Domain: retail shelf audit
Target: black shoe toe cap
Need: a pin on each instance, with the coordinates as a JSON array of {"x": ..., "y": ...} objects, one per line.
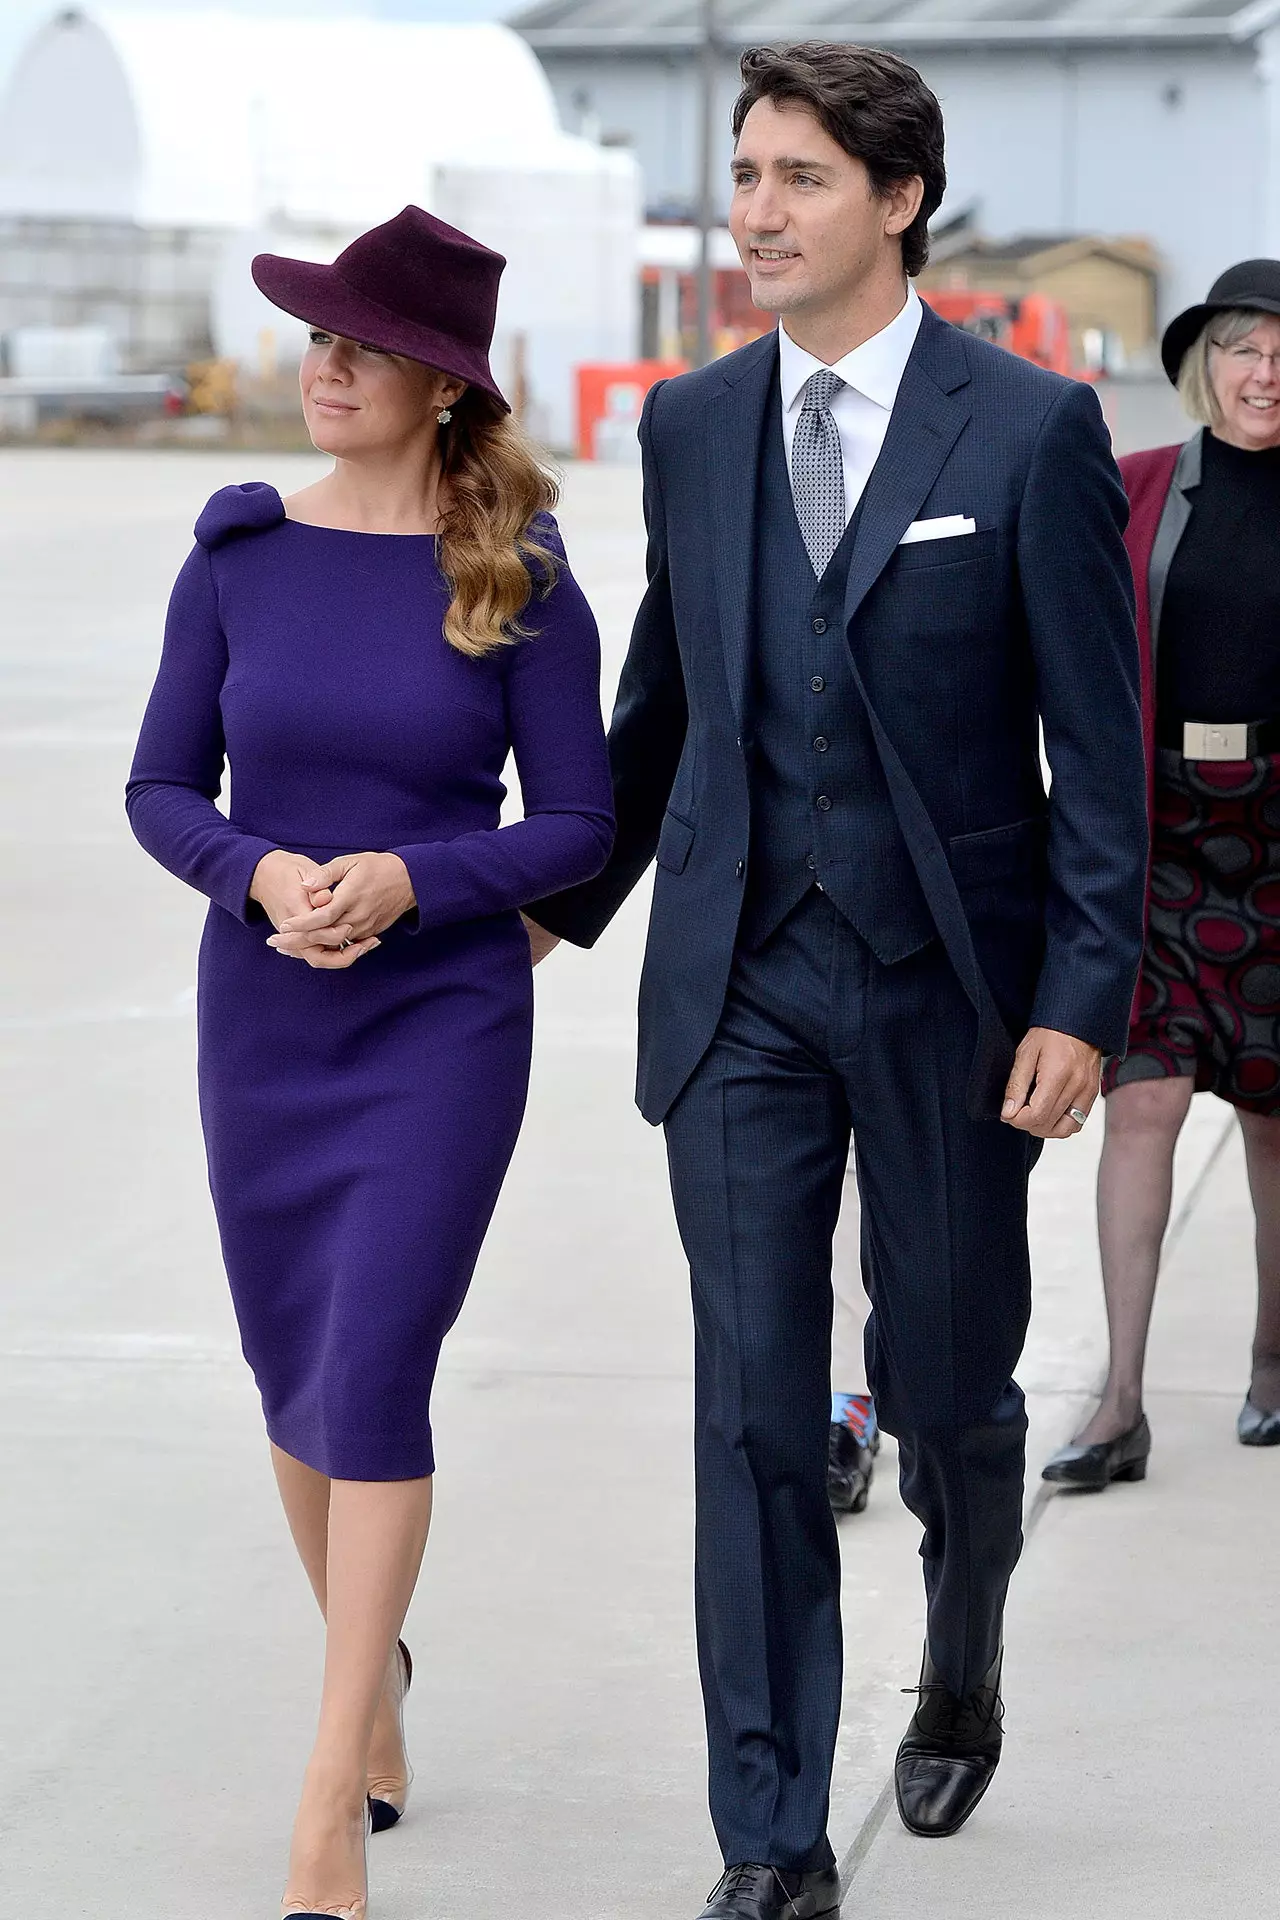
[{"x": 936, "y": 1793}]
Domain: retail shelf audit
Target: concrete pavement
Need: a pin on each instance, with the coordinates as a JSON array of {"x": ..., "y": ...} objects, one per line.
[{"x": 160, "y": 1650}]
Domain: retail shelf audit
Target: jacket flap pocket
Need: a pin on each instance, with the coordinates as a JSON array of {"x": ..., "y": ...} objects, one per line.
[
  {"x": 1015, "y": 852},
  {"x": 674, "y": 843}
]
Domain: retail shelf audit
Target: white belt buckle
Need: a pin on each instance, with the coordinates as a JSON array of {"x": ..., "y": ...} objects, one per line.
[{"x": 1203, "y": 742}]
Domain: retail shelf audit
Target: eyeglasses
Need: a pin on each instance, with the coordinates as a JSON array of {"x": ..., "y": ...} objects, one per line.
[{"x": 1248, "y": 359}]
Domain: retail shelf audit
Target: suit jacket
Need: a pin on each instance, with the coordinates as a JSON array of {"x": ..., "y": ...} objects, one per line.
[{"x": 961, "y": 648}]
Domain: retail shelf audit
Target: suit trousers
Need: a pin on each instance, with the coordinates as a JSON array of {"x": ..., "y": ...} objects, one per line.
[{"x": 817, "y": 1038}]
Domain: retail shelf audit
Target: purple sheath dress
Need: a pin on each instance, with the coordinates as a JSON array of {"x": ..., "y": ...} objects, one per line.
[{"x": 359, "y": 1124}]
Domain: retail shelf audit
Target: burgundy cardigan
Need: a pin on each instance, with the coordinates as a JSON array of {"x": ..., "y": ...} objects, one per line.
[{"x": 1147, "y": 478}]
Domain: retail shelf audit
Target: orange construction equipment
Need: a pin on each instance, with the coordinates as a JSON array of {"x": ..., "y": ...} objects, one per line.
[{"x": 1034, "y": 327}]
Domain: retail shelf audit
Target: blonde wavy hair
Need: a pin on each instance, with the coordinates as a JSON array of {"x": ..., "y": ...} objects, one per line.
[{"x": 493, "y": 488}]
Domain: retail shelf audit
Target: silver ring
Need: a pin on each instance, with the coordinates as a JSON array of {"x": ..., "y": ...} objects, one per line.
[
  {"x": 1079, "y": 1118},
  {"x": 344, "y": 944}
]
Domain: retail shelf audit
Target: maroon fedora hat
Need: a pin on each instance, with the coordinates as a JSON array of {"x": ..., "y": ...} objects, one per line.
[{"x": 413, "y": 286}]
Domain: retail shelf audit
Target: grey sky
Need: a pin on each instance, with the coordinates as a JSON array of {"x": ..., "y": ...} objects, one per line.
[{"x": 19, "y": 18}]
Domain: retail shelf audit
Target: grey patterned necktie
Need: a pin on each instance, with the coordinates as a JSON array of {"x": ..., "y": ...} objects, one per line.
[{"x": 817, "y": 471}]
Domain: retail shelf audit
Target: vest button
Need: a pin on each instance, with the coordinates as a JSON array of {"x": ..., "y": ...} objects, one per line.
[
  {"x": 741, "y": 868},
  {"x": 817, "y": 684},
  {"x": 811, "y": 861},
  {"x": 819, "y": 625},
  {"x": 820, "y": 745},
  {"x": 824, "y": 803}
]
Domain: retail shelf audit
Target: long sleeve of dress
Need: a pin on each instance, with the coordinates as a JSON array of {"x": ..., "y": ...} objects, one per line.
[
  {"x": 181, "y": 755},
  {"x": 553, "y": 716}
]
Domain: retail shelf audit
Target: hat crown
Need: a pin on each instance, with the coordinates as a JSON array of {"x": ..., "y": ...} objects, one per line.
[
  {"x": 425, "y": 271},
  {"x": 1250, "y": 280}
]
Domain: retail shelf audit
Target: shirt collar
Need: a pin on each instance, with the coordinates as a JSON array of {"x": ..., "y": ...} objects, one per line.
[{"x": 874, "y": 369}]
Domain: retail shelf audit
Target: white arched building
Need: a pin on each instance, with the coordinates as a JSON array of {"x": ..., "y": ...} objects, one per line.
[{"x": 144, "y": 157}]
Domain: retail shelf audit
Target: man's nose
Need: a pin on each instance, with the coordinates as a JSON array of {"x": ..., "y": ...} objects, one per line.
[{"x": 766, "y": 213}]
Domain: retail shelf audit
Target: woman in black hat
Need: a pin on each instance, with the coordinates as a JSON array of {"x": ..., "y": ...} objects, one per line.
[
  {"x": 365, "y": 655},
  {"x": 1205, "y": 544}
]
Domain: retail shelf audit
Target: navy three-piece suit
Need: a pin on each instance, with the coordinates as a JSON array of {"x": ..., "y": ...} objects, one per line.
[{"x": 864, "y": 898}]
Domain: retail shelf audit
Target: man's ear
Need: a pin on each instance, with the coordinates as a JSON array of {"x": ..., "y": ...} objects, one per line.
[{"x": 903, "y": 203}]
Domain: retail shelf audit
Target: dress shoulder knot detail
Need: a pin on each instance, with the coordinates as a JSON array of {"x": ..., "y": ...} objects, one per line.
[{"x": 252, "y": 507}]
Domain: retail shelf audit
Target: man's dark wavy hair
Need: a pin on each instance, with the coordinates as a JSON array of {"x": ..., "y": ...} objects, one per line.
[{"x": 873, "y": 105}]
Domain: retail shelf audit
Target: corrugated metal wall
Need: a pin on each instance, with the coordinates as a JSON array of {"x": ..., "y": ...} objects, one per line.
[{"x": 150, "y": 286}]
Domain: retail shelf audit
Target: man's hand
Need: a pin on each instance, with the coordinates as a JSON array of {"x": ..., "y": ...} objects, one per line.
[
  {"x": 1052, "y": 1073},
  {"x": 541, "y": 943}
]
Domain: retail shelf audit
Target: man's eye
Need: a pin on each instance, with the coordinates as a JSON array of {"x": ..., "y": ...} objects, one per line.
[{"x": 806, "y": 180}]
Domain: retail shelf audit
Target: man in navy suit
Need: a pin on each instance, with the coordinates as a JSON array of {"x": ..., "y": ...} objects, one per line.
[{"x": 882, "y": 554}]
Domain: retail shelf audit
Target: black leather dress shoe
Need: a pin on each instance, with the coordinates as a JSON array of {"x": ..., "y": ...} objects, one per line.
[
  {"x": 1093, "y": 1468},
  {"x": 769, "y": 1893},
  {"x": 850, "y": 1466},
  {"x": 950, "y": 1753},
  {"x": 1256, "y": 1427}
]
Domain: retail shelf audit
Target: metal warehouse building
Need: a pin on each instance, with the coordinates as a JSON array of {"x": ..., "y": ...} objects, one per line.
[{"x": 1157, "y": 119}]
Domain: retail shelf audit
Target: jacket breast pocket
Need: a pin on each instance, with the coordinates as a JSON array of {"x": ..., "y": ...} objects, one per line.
[
  {"x": 675, "y": 843},
  {"x": 929, "y": 556}
]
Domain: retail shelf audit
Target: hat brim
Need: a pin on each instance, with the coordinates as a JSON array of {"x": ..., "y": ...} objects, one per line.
[
  {"x": 319, "y": 295},
  {"x": 1181, "y": 334}
]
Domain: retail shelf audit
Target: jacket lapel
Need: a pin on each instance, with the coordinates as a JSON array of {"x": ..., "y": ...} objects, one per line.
[
  {"x": 1172, "y": 525},
  {"x": 735, "y": 424},
  {"x": 928, "y": 418}
]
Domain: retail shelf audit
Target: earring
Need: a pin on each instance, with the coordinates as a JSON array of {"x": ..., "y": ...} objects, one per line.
[{"x": 444, "y": 416}]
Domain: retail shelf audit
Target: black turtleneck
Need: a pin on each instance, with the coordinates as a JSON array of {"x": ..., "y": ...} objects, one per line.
[{"x": 1219, "y": 643}]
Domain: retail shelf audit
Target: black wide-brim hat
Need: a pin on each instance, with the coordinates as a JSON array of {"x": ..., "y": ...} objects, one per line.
[
  {"x": 413, "y": 286},
  {"x": 1252, "y": 287}
]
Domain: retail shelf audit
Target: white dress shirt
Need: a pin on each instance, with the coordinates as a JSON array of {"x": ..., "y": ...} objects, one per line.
[{"x": 872, "y": 374}]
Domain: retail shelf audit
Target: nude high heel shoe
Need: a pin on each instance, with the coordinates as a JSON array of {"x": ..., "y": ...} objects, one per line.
[
  {"x": 356, "y": 1910},
  {"x": 387, "y": 1798}
]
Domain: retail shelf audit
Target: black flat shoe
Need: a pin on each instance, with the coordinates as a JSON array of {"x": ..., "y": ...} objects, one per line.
[
  {"x": 850, "y": 1468},
  {"x": 949, "y": 1756},
  {"x": 1256, "y": 1427},
  {"x": 768, "y": 1893},
  {"x": 385, "y": 1811},
  {"x": 1093, "y": 1468}
]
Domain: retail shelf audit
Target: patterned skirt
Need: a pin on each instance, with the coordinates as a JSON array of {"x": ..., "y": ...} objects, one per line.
[{"x": 1209, "y": 1001}]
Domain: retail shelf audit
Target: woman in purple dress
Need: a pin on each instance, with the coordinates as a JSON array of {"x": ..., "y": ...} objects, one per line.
[{"x": 364, "y": 655}]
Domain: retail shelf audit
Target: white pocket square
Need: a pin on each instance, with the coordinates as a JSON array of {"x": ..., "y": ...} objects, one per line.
[{"x": 947, "y": 529}]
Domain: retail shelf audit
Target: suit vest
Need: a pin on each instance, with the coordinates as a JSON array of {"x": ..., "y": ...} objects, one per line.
[{"x": 820, "y": 807}]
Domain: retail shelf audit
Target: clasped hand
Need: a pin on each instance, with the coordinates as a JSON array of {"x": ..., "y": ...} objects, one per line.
[{"x": 331, "y": 915}]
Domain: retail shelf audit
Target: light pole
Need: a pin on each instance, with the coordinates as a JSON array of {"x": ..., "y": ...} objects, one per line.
[{"x": 709, "y": 147}]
